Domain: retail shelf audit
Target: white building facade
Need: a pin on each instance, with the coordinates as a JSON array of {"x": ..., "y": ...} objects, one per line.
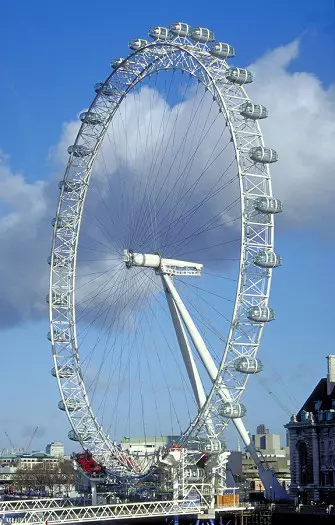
[{"x": 312, "y": 443}]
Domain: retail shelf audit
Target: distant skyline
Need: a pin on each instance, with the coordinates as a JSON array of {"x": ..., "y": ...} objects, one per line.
[{"x": 52, "y": 54}]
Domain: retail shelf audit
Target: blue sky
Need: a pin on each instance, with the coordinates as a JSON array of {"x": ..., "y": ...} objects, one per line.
[{"x": 51, "y": 55}]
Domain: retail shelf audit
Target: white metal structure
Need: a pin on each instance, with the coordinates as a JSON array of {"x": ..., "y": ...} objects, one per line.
[
  {"x": 179, "y": 201},
  {"x": 72, "y": 514}
]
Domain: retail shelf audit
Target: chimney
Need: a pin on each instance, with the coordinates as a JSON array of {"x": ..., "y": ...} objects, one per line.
[{"x": 331, "y": 374}]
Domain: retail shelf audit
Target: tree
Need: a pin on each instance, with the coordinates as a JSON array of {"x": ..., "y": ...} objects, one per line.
[{"x": 45, "y": 476}]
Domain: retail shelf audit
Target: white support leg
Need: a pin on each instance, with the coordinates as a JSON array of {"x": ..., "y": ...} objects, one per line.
[
  {"x": 208, "y": 362},
  {"x": 192, "y": 371},
  {"x": 191, "y": 367}
]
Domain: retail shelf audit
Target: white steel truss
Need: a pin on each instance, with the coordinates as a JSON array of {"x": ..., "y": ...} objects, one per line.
[
  {"x": 41, "y": 515},
  {"x": 253, "y": 287}
]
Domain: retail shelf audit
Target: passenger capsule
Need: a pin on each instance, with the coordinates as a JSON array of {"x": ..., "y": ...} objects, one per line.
[
  {"x": 267, "y": 259},
  {"x": 73, "y": 436},
  {"x": 64, "y": 372},
  {"x": 77, "y": 150},
  {"x": 253, "y": 111},
  {"x": 239, "y": 76},
  {"x": 180, "y": 29},
  {"x": 57, "y": 299},
  {"x": 222, "y": 50},
  {"x": 60, "y": 336},
  {"x": 268, "y": 205},
  {"x": 104, "y": 89},
  {"x": 194, "y": 473},
  {"x": 248, "y": 365},
  {"x": 232, "y": 409},
  {"x": 70, "y": 186},
  {"x": 116, "y": 62},
  {"x": 159, "y": 33},
  {"x": 261, "y": 314},
  {"x": 58, "y": 261},
  {"x": 201, "y": 34},
  {"x": 63, "y": 222},
  {"x": 91, "y": 118},
  {"x": 263, "y": 155},
  {"x": 137, "y": 43},
  {"x": 71, "y": 404}
]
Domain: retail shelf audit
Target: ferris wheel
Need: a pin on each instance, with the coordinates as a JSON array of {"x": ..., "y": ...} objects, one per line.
[{"x": 163, "y": 250}]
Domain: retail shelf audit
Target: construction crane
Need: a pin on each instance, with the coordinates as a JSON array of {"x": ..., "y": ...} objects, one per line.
[
  {"x": 31, "y": 439},
  {"x": 10, "y": 441}
]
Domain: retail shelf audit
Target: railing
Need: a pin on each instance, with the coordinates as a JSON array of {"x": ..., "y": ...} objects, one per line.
[
  {"x": 32, "y": 504},
  {"x": 71, "y": 514}
]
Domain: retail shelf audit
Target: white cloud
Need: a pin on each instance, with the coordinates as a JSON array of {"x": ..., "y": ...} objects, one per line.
[
  {"x": 301, "y": 127},
  {"x": 24, "y": 240}
]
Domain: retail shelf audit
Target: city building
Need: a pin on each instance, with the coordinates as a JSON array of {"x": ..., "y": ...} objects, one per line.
[
  {"x": 261, "y": 429},
  {"x": 55, "y": 449},
  {"x": 312, "y": 443},
  {"x": 142, "y": 445},
  {"x": 271, "y": 454}
]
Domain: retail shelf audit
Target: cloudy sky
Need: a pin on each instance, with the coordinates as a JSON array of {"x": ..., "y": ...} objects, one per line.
[{"x": 51, "y": 56}]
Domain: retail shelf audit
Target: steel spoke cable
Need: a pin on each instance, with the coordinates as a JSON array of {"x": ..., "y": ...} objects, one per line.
[
  {"x": 176, "y": 156},
  {"x": 154, "y": 158},
  {"x": 85, "y": 331},
  {"x": 143, "y": 204},
  {"x": 185, "y": 179},
  {"x": 166, "y": 340},
  {"x": 210, "y": 195},
  {"x": 203, "y": 200},
  {"x": 160, "y": 190},
  {"x": 207, "y": 227},
  {"x": 174, "y": 207},
  {"x": 112, "y": 347}
]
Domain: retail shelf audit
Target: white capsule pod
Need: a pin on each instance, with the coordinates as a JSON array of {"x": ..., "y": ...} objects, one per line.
[
  {"x": 159, "y": 33},
  {"x": 88, "y": 117},
  {"x": 261, "y": 314},
  {"x": 58, "y": 299},
  {"x": 239, "y": 76},
  {"x": 180, "y": 29},
  {"x": 78, "y": 150},
  {"x": 267, "y": 259},
  {"x": 137, "y": 43},
  {"x": 60, "y": 336},
  {"x": 248, "y": 365},
  {"x": 72, "y": 435},
  {"x": 268, "y": 205},
  {"x": 69, "y": 186},
  {"x": 66, "y": 222},
  {"x": 263, "y": 155},
  {"x": 104, "y": 89},
  {"x": 253, "y": 111},
  {"x": 71, "y": 404},
  {"x": 116, "y": 62},
  {"x": 201, "y": 34},
  {"x": 232, "y": 409},
  {"x": 222, "y": 50},
  {"x": 194, "y": 473},
  {"x": 58, "y": 261},
  {"x": 64, "y": 372}
]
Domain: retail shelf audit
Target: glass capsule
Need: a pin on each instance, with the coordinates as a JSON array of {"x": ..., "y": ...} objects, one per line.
[
  {"x": 239, "y": 76},
  {"x": 263, "y": 155},
  {"x": 253, "y": 111},
  {"x": 268, "y": 205},
  {"x": 248, "y": 365},
  {"x": 222, "y": 50},
  {"x": 261, "y": 314}
]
